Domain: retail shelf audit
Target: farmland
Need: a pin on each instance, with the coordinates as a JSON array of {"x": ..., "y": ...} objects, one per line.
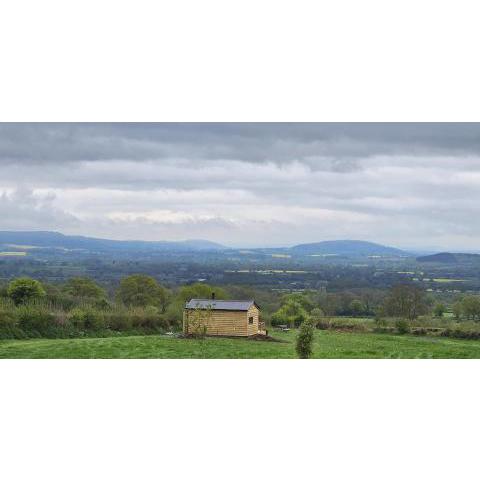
[{"x": 327, "y": 344}]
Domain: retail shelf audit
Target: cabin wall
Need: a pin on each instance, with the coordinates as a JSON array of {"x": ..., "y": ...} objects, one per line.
[
  {"x": 255, "y": 313},
  {"x": 218, "y": 322}
]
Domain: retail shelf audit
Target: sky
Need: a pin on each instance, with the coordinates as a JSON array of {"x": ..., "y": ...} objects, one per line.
[{"x": 410, "y": 185}]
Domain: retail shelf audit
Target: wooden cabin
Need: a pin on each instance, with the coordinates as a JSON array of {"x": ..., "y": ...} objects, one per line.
[{"x": 230, "y": 318}]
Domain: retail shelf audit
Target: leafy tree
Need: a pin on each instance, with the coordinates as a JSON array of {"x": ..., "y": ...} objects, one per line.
[
  {"x": 407, "y": 301},
  {"x": 24, "y": 289},
  {"x": 357, "y": 307},
  {"x": 457, "y": 310},
  {"x": 200, "y": 290},
  {"x": 471, "y": 306},
  {"x": 302, "y": 299},
  {"x": 317, "y": 315},
  {"x": 83, "y": 287},
  {"x": 439, "y": 310},
  {"x": 197, "y": 321},
  {"x": 291, "y": 313},
  {"x": 140, "y": 291},
  {"x": 174, "y": 311},
  {"x": 304, "y": 342}
]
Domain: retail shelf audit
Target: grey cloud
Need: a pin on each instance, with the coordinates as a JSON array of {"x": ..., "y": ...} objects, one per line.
[
  {"x": 336, "y": 146},
  {"x": 245, "y": 183},
  {"x": 21, "y": 210}
]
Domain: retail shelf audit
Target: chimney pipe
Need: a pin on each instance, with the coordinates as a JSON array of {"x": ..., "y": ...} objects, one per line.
[{"x": 213, "y": 295}]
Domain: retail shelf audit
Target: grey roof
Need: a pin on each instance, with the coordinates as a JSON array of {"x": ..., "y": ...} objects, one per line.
[{"x": 202, "y": 303}]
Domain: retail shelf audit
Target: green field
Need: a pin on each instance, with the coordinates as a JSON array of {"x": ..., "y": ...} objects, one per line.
[{"x": 328, "y": 344}]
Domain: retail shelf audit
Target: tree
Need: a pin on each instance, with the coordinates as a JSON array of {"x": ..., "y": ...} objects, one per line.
[
  {"x": 24, "y": 289},
  {"x": 317, "y": 315},
  {"x": 174, "y": 311},
  {"x": 357, "y": 307},
  {"x": 406, "y": 301},
  {"x": 302, "y": 299},
  {"x": 439, "y": 310},
  {"x": 140, "y": 291},
  {"x": 291, "y": 313},
  {"x": 457, "y": 310},
  {"x": 471, "y": 307},
  {"x": 197, "y": 321},
  {"x": 83, "y": 287},
  {"x": 304, "y": 341},
  {"x": 200, "y": 290}
]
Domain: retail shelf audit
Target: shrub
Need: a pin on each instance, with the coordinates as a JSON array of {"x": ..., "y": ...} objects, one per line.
[
  {"x": 144, "y": 317},
  {"x": 174, "y": 313},
  {"x": 305, "y": 339},
  {"x": 119, "y": 320},
  {"x": 402, "y": 326},
  {"x": 9, "y": 328},
  {"x": 381, "y": 322},
  {"x": 439, "y": 310},
  {"x": 36, "y": 321},
  {"x": 86, "y": 319}
]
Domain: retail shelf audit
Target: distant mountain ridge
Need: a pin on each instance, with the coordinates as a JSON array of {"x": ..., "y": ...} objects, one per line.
[
  {"x": 451, "y": 258},
  {"x": 47, "y": 239},
  {"x": 75, "y": 242},
  {"x": 347, "y": 248}
]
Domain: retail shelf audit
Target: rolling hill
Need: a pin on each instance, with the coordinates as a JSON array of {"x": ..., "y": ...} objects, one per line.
[
  {"x": 347, "y": 248},
  {"x": 58, "y": 240},
  {"x": 451, "y": 258}
]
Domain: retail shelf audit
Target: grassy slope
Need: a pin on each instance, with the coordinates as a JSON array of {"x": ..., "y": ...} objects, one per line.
[{"x": 327, "y": 345}]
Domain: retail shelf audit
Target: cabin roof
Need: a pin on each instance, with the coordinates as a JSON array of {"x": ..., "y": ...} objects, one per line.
[{"x": 236, "y": 305}]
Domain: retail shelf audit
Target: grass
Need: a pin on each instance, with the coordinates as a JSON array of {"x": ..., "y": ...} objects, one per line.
[{"x": 327, "y": 344}]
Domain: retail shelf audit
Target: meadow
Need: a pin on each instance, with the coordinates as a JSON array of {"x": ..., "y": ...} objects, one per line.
[{"x": 327, "y": 344}]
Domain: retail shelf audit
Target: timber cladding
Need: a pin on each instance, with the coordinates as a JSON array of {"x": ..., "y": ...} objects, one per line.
[{"x": 221, "y": 322}]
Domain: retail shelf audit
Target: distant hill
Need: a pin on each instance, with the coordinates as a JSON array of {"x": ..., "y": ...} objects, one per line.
[
  {"x": 71, "y": 242},
  {"x": 451, "y": 258},
  {"x": 348, "y": 248},
  {"x": 443, "y": 257}
]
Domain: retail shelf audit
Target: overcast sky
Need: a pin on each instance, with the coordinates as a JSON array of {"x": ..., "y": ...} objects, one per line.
[{"x": 406, "y": 185}]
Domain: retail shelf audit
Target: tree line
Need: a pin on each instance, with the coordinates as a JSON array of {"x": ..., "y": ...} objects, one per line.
[{"x": 139, "y": 303}]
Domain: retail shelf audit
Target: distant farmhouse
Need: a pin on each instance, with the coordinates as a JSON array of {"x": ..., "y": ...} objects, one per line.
[{"x": 238, "y": 318}]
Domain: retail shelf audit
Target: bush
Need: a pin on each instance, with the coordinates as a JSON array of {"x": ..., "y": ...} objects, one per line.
[
  {"x": 439, "y": 310},
  {"x": 36, "y": 321},
  {"x": 9, "y": 328},
  {"x": 402, "y": 326},
  {"x": 145, "y": 318},
  {"x": 344, "y": 324},
  {"x": 119, "y": 320},
  {"x": 305, "y": 339},
  {"x": 86, "y": 319}
]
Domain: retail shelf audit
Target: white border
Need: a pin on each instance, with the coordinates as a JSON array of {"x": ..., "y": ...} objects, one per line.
[
  {"x": 239, "y": 61},
  {"x": 217, "y": 60}
]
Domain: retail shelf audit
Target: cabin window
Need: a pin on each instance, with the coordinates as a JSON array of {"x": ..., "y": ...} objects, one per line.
[{"x": 250, "y": 320}]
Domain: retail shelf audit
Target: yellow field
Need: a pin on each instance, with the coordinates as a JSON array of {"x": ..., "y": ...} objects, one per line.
[{"x": 447, "y": 280}]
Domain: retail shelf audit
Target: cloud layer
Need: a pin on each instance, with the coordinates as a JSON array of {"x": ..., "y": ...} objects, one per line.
[{"x": 414, "y": 185}]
